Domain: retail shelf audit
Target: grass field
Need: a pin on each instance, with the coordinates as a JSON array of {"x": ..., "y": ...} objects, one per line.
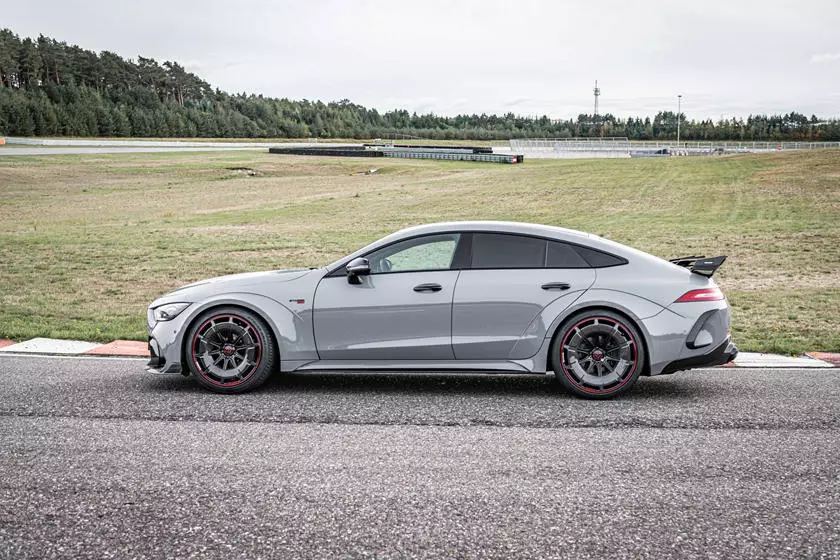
[{"x": 86, "y": 242}]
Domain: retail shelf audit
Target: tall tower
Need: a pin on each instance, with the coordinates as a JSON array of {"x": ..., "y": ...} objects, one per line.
[{"x": 597, "y": 92}]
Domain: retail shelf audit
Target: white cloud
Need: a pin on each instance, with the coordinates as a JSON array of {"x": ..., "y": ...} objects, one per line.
[{"x": 825, "y": 57}]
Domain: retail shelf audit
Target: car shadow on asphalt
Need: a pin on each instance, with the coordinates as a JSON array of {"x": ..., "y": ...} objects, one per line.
[{"x": 340, "y": 383}]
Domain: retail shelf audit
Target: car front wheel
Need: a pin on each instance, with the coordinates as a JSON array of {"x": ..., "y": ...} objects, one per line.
[
  {"x": 230, "y": 350},
  {"x": 597, "y": 355}
]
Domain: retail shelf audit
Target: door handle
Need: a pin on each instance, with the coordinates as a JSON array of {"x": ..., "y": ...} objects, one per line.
[
  {"x": 556, "y": 286},
  {"x": 428, "y": 288}
]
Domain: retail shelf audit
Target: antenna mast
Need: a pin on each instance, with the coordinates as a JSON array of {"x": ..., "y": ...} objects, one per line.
[{"x": 597, "y": 92}]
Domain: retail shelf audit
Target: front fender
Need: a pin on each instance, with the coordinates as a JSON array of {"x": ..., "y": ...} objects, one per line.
[{"x": 291, "y": 329}]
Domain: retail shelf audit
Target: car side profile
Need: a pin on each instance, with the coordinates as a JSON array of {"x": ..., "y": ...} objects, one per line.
[{"x": 460, "y": 297}]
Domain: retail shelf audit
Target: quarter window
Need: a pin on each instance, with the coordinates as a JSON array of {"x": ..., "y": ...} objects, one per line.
[
  {"x": 597, "y": 259},
  {"x": 563, "y": 255}
]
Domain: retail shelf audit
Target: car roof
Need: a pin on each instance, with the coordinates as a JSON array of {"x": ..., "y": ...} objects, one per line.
[
  {"x": 493, "y": 226},
  {"x": 521, "y": 228}
]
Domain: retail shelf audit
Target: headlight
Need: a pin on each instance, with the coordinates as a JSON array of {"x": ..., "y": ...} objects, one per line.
[{"x": 169, "y": 311}]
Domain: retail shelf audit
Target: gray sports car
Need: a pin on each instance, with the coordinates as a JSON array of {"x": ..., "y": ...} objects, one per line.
[{"x": 459, "y": 296}]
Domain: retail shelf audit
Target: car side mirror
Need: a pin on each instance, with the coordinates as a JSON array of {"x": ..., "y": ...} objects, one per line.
[{"x": 359, "y": 266}]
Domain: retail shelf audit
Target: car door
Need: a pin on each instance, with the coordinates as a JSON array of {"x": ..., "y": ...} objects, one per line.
[
  {"x": 513, "y": 282},
  {"x": 401, "y": 311}
]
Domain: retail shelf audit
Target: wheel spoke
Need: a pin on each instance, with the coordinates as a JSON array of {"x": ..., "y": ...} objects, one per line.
[
  {"x": 595, "y": 351},
  {"x": 620, "y": 346},
  {"x": 226, "y": 349},
  {"x": 206, "y": 341}
]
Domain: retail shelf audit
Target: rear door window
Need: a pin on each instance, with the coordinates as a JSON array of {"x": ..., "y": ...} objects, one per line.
[{"x": 495, "y": 250}]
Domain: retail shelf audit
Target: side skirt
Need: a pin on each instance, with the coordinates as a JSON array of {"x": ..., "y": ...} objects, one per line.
[{"x": 414, "y": 365}]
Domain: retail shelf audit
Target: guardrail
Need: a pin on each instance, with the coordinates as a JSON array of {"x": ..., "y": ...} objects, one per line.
[
  {"x": 453, "y": 153},
  {"x": 489, "y": 158},
  {"x": 626, "y": 145}
]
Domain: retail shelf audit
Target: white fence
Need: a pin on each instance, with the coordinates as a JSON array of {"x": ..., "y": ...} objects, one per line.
[{"x": 623, "y": 147}]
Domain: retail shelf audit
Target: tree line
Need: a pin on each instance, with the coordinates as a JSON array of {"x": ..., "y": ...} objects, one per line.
[{"x": 50, "y": 88}]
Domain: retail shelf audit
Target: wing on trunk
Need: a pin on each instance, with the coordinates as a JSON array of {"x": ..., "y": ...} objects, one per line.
[{"x": 700, "y": 264}]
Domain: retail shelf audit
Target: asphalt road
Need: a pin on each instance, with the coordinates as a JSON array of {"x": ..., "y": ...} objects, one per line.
[
  {"x": 63, "y": 151},
  {"x": 101, "y": 460}
]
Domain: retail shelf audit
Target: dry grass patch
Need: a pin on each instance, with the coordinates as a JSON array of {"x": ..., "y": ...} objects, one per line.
[{"x": 87, "y": 241}]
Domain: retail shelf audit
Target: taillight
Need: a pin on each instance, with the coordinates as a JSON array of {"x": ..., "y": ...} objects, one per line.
[{"x": 706, "y": 294}]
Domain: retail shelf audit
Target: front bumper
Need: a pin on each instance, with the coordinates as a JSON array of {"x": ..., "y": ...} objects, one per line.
[
  {"x": 723, "y": 354},
  {"x": 157, "y": 361},
  {"x": 165, "y": 341}
]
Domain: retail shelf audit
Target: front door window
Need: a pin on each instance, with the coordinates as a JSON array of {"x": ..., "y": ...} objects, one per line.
[{"x": 434, "y": 252}]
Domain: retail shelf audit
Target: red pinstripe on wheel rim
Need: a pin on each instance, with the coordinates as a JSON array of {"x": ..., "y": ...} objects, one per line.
[
  {"x": 226, "y": 350},
  {"x": 601, "y": 353}
]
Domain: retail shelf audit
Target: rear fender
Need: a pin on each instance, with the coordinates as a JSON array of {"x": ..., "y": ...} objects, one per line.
[{"x": 636, "y": 308}]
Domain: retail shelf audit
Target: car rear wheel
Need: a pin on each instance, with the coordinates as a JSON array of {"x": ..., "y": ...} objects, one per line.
[
  {"x": 597, "y": 355},
  {"x": 230, "y": 350}
]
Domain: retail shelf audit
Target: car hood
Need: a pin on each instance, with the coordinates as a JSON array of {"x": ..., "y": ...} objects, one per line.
[
  {"x": 230, "y": 283},
  {"x": 247, "y": 278}
]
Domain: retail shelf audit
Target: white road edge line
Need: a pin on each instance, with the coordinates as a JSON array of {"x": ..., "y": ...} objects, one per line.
[{"x": 65, "y": 357}]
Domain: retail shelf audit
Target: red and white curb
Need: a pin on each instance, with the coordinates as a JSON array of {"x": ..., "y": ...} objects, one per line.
[
  {"x": 54, "y": 346},
  {"x": 134, "y": 348},
  {"x": 759, "y": 360}
]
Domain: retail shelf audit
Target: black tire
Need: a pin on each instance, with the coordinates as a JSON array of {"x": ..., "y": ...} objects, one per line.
[
  {"x": 230, "y": 350},
  {"x": 597, "y": 354}
]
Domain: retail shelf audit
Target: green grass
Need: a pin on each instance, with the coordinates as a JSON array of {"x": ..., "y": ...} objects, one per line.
[{"x": 86, "y": 242}]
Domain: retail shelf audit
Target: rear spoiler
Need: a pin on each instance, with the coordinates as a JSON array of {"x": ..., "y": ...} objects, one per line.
[{"x": 700, "y": 264}]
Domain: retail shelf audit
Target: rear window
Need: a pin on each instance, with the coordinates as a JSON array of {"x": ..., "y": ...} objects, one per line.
[{"x": 493, "y": 250}]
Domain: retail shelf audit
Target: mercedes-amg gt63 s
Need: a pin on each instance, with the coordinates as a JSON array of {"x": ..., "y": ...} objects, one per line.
[{"x": 460, "y": 297}]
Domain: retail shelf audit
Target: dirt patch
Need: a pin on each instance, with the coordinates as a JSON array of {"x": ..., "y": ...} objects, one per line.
[
  {"x": 228, "y": 228},
  {"x": 247, "y": 171}
]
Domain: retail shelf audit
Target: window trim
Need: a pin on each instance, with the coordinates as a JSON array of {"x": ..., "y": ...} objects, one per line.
[
  {"x": 462, "y": 259},
  {"x": 456, "y": 256},
  {"x": 622, "y": 260}
]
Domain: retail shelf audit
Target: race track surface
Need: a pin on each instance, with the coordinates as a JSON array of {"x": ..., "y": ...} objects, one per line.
[{"x": 101, "y": 460}]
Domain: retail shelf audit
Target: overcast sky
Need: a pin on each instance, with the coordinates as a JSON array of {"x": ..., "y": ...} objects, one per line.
[{"x": 529, "y": 57}]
